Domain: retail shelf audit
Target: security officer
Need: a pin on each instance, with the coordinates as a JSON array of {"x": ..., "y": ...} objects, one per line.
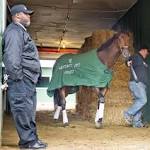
[{"x": 23, "y": 67}]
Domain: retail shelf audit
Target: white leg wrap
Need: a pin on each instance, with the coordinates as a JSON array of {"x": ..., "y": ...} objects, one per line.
[
  {"x": 100, "y": 112},
  {"x": 57, "y": 112},
  {"x": 65, "y": 118}
]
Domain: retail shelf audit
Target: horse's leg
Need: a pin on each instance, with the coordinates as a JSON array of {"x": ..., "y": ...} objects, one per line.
[
  {"x": 63, "y": 105},
  {"x": 100, "y": 109},
  {"x": 57, "y": 105}
]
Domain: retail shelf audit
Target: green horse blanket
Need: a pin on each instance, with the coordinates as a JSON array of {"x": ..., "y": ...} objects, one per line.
[{"x": 79, "y": 69}]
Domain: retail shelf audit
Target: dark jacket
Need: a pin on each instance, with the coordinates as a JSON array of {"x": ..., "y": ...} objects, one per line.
[
  {"x": 140, "y": 67},
  {"x": 20, "y": 55}
]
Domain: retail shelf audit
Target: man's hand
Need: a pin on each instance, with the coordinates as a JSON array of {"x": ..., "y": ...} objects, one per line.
[
  {"x": 4, "y": 87},
  {"x": 129, "y": 63}
]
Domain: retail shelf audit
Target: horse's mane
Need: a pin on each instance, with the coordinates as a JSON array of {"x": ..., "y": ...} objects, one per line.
[{"x": 108, "y": 42}]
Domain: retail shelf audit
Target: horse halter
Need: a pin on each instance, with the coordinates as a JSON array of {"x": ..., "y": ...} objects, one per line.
[{"x": 125, "y": 52}]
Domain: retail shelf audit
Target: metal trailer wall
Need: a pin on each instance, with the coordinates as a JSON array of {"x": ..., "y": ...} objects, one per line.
[
  {"x": 2, "y": 27},
  {"x": 137, "y": 21}
]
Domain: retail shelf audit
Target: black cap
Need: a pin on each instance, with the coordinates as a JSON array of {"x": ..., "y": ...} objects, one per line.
[
  {"x": 145, "y": 46},
  {"x": 20, "y": 8}
]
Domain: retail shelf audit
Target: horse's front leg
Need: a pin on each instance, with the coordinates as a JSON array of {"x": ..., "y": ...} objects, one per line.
[
  {"x": 63, "y": 105},
  {"x": 57, "y": 105},
  {"x": 100, "y": 108}
]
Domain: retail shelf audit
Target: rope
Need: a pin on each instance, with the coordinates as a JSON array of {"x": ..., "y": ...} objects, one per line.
[{"x": 65, "y": 24}]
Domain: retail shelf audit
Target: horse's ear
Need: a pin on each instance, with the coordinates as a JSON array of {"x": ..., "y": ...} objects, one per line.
[
  {"x": 127, "y": 33},
  {"x": 124, "y": 35},
  {"x": 123, "y": 39},
  {"x": 121, "y": 34}
]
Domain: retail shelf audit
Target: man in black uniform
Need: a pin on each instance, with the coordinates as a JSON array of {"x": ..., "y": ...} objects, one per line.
[
  {"x": 138, "y": 87},
  {"x": 22, "y": 65}
]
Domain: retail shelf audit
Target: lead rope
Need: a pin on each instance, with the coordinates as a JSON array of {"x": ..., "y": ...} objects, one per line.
[{"x": 126, "y": 55}]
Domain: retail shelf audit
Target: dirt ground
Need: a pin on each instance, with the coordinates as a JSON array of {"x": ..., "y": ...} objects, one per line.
[{"x": 80, "y": 135}]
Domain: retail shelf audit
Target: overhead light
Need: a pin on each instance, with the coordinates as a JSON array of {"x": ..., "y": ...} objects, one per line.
[
  {"x": 75, "y": 1},
  {"x": 63, "y": 46}
]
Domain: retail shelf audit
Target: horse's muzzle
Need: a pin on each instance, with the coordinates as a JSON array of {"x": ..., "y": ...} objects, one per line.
[{"x": 125, "y": 52}]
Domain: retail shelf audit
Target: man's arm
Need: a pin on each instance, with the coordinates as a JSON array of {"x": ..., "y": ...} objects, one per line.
[{"x": 13, "y": 47}]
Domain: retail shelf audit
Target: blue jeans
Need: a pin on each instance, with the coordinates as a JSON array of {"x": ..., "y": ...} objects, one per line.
[
  {"x": 22, "y": 99},
  {"x": 138, "y": 90}
]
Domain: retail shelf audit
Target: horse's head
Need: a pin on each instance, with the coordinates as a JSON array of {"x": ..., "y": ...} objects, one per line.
[
  {"x": 111, "y": 49},
  {"x": 123, "y": 43}
]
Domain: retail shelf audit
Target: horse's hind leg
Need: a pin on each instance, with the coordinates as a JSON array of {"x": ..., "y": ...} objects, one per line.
[
  {"x": 57, "y": 105},
  {"x": 100, "y": 108},
  {"x": 63, "y": 105}
]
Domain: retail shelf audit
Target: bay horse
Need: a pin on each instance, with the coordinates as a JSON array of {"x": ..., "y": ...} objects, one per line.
[{"x": 107, "y": 54}]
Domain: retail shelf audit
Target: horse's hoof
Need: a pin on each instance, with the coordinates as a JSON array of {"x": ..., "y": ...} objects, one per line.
[
  {"x": 98, "y": 125},
  {"x": 66, "y": 124}
]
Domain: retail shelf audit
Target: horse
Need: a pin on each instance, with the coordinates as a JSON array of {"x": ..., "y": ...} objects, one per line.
[{"x": 107, "y": 54}]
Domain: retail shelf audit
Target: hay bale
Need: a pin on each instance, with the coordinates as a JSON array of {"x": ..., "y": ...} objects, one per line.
[
  {"x": 101, "y": 36},
  {"x": 113, "y": 114},
  {"x": 86, "y": 100},
  {"x": 118, "y": 97}
]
